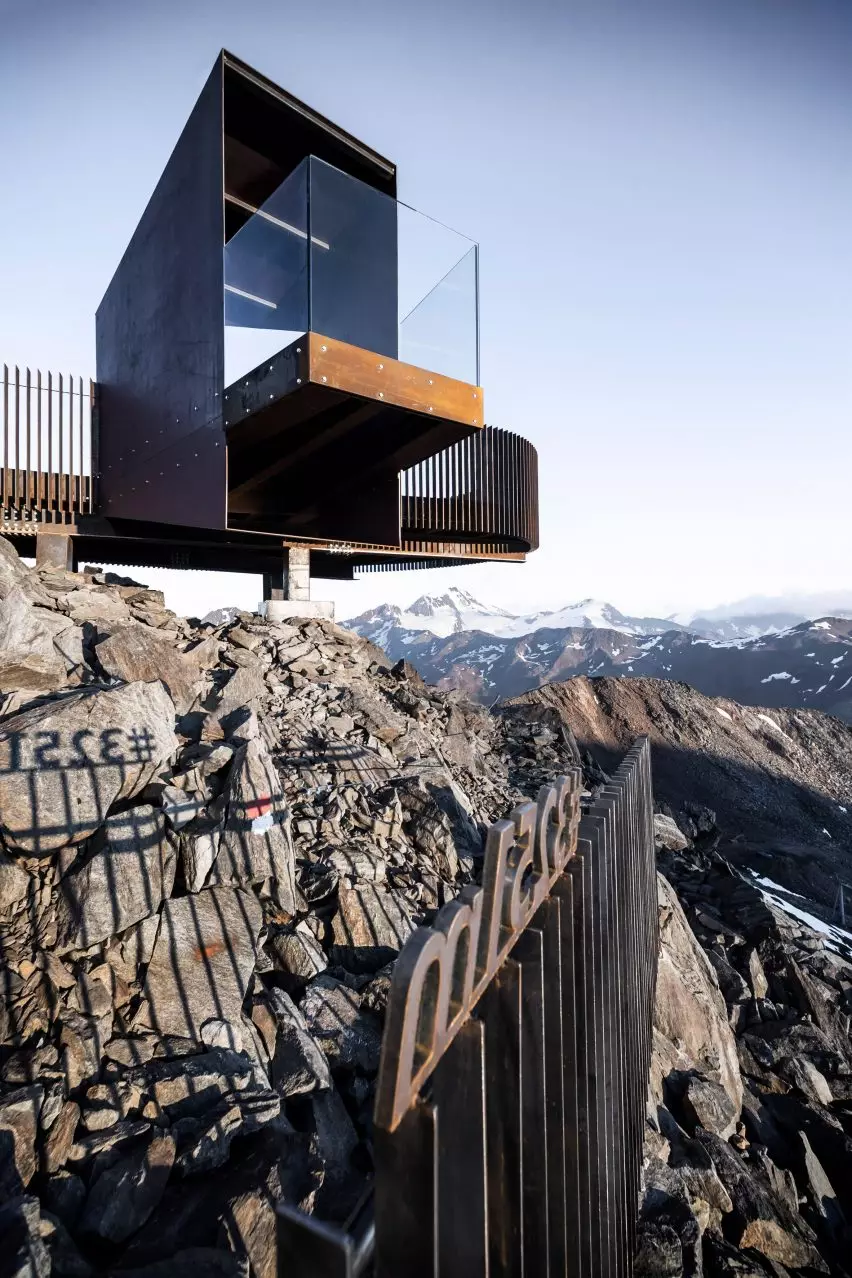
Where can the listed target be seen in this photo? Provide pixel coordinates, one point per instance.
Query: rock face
(215, 839)
(128, 874)
(203, 961)
(64, 764)
(690, 1011)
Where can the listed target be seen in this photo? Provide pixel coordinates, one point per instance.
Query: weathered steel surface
(46, 463)
(483, 489)
(550, 1062)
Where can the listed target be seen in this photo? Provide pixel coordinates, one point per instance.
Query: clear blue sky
(662, 190)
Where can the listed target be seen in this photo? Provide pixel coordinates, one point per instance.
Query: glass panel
(389, 279)
(266, 278)
(327, 252)
(353, 261)
(440, 332)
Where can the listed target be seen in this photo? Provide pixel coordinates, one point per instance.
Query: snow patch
(836, 938)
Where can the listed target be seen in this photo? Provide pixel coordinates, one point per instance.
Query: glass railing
(328, 253)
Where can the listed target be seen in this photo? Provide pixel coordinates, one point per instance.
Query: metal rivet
(381, 396)
(271, 367)
(430, 408)
(323, 348)
(298, 381)
(430, 381)
(325, 379)
(298, 350)
(380, 367)
(271, 396)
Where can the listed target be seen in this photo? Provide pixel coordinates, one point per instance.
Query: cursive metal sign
(443, 969)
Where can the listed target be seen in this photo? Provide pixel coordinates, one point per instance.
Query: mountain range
(775, 659)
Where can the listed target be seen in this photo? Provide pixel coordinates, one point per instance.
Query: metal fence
(511, 1097)
(482, 489)
(46, 464)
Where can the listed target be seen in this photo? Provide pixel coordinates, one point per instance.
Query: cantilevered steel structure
(287, 364)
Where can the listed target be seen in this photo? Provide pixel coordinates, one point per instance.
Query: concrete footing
(296, 609)
(55, 550)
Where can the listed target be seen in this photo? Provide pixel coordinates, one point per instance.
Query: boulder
(15, 882)
(190, 1087)
(61, 1137)
(199, 849)
(820, 1190)
(241, 1115)
(137, 653)
(24, 1253)
(667, 835)
(82, 1039)
(297, 1065)
(19, 1114)
(13, 572)
(298, 953)
(371, 925)
(707, 1104)
(803, 1074)
(65, 763)
(759, 1219)
(349, 1037)
(28, 658)
(125, 879)
(123, 1197)
(203, 960)
(689, 1009)
(97, 607)
(255, 845)
(757, 976)
(250, 1226)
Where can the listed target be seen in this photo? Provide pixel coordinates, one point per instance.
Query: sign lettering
(443, 969)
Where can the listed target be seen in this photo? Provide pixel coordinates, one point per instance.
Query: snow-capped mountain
(456, 612)
(745, 626)
(807, 665)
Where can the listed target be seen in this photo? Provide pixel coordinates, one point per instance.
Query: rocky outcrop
(214, 841)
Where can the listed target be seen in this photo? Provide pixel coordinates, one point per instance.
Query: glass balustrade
(328, 253)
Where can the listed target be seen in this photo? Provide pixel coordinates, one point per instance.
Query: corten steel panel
(458, 1090)
(529, 952)
(406, 1195)
(160, 342)
(315, 444)
(501, 1009)
(483, 489)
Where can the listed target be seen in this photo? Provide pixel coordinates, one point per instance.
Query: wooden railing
(510, 1104)
(46, 437)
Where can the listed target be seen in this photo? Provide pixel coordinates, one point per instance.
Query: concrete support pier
(287, 594)
(55, 550)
